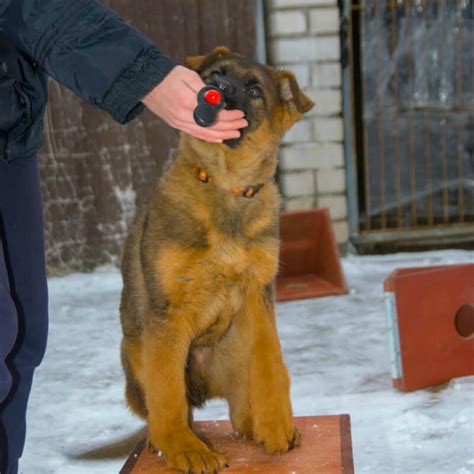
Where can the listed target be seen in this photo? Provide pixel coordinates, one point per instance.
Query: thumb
(193, 80)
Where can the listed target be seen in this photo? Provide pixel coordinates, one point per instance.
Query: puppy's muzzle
(229, 91)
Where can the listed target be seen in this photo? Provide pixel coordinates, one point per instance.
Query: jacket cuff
(148, 70)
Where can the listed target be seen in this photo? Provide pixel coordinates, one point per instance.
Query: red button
(212, 97)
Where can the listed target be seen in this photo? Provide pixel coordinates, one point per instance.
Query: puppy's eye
(255, 91)
(218, 72)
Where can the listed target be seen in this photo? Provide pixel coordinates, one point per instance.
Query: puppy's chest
(226, 260)
(225, 264)
(241, 243)
(238, 254)
(234, 250)
(212, 280)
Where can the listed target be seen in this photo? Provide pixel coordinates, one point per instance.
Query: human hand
(174, 100)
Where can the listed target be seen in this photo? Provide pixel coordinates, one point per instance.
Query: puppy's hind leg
(240, 414)
(238, 394)
(131, 355)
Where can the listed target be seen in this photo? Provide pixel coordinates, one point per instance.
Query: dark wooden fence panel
(95, 172)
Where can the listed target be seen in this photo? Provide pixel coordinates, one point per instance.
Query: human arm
(92, 51)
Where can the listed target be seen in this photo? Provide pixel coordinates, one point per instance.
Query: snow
(337, 350)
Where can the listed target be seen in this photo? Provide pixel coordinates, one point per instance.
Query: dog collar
(247, 192)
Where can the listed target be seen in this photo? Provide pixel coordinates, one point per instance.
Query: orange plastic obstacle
(430, 311)
(326, 448)
(310, 265)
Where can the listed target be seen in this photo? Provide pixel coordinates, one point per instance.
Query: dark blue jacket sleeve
(89, 49)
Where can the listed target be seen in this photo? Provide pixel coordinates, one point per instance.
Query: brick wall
(303, 36)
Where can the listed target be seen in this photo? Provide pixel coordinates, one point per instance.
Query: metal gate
(409, 119)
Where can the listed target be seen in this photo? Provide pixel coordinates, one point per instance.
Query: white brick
(328, 129)
(337, 206)
(331, 181)
(297, 3)
(324, 20)
(327, 75)
(311, 156)
(341, 231)
(329, 48)
(328, 101)
(292, 50)
(312, 48)
(287, 22)
(301, 71)
(297, 184)
(294, 204)
(299, 132)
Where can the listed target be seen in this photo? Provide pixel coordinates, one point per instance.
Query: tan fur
(197, 306)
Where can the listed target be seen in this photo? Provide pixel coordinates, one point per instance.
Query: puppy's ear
(291, 94)
(199, 63)
(193, 62)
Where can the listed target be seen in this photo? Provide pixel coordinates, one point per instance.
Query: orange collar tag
(248, 192)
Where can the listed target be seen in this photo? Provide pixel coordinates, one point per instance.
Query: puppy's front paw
(277, 438)
(198, 462)
(189, 454)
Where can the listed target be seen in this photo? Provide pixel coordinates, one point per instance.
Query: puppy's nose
(225, 86)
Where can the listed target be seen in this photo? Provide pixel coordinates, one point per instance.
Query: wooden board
(430, 311)
(326, 448)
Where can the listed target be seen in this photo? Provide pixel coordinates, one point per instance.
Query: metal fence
(413, 113)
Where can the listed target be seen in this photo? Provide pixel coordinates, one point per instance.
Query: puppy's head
(271, 100)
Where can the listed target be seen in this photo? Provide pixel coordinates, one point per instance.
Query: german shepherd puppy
(197, 307)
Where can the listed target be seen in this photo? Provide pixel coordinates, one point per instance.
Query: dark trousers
(23, 301)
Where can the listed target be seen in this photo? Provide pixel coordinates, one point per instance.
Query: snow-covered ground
(337, 351)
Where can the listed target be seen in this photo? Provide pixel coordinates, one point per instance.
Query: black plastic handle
(205, 113)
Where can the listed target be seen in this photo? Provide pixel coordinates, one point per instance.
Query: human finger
(231, 125)
(208, 134)
(225, 115)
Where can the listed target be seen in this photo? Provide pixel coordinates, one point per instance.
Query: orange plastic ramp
(326, 448)
(430, 313)
(310, 265)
